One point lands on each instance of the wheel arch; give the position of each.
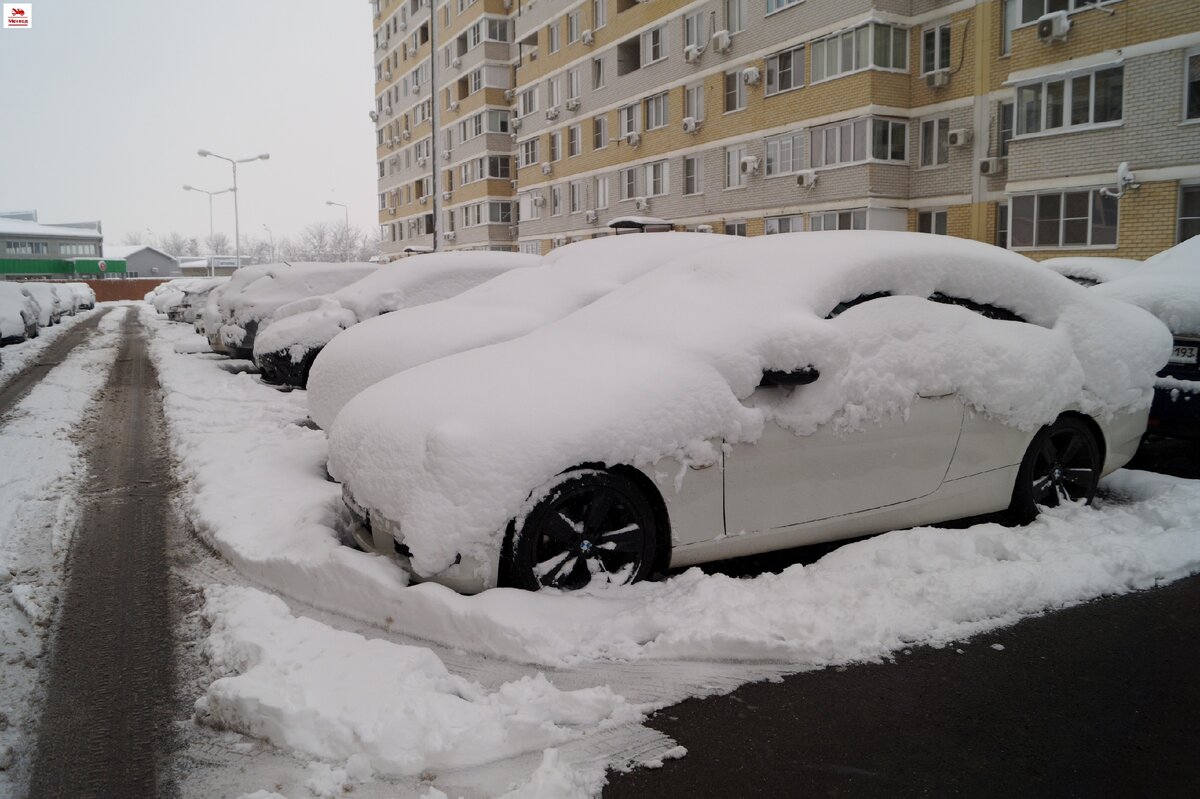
(1093, 426)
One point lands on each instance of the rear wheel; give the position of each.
(1062, 464)
(594, 526)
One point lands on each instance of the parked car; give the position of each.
(208, 320)
(86, 295)
(801, 388)
(504, 308)
(249, 302)
(1092, 270)
(18, 314)
(194, 296)
(1168, 286)
(286, 347)
(50, 306)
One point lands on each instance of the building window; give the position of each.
(694, 33)
(1193, 86)
(599, 133)
(839, 220)
(656, 179)
(26, 247)
(601, 187)
(555, 146)
(1006, 127)
(935, 142)
(599, 14)
(735, 91)
(574, 136)
(573, 84)
(552, 37)
(693, 102)
(630, 123)
(656, 111)
(597, 73)
(527, 103)
(573, 26)
(935, 49)
(693, 177)
(575, 197)
(847, 142)
(553, 93)
(1033, 10)
(1094, 98)
(735, 228)
(1189, 212)
(1008, 21)
(734, 177)
(783, 224)
(653, 46)
(779, 5)
(735, 16)
(629, 183)
(932, 222)
(556, 201)
(1002, 225)
(785, 70)
(1064, 219)
(528, 152)
(872, 45)
(784, 153)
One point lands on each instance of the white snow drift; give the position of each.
(1167, 285)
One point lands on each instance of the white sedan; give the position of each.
(801, 388)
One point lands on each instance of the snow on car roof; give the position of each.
(507, 306)
(1167, 285)
(254, 292)
(1095, 269)
(663, 366)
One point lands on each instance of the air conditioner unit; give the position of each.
(392, 210)
(641, 203)
(959, 137)
(1053, 27)
(387, 74)
(547, 168)
(634, 139)
(588, 37)
(806, 179)
(423, 199)
(454, 105)
(750, 165)
(559, 241)
(508, 94)
(721, 41)
(751, 76)
(552, 113)
(512, 230)
(993, 166)
(374, 116)
(456, 62)
(387, 109)
(573, 104)
(513, 183)
(690, 125)
(448, 235)
(406, 134)
(421, 161)
(446, 154)
(403, 24)
(538, 200)
(937, 80)
(704, 228)
(515, 124)
(590, 217)
(446, 196)
(691, 53)
(416, 88)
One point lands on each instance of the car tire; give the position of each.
(593, 525)
(1063, 462)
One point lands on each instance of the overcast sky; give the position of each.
(105, 103)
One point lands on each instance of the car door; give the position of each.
(784, 479)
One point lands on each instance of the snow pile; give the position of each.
(334, 694)
(311, 322)
(504, 308)
(15, 308)
(555, 779)
(451, 450)
(1092, 269)
(1167, 285)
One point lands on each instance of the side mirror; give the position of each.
(798, 377)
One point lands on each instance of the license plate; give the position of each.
(1183, 354)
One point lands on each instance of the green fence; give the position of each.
(61, 267)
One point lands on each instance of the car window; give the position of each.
(981, 308)
(842, 307)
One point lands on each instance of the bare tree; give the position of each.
(315, 243)
(133, 238)
(193, 247)
(259, 249)
(217, 244)
(175, 244)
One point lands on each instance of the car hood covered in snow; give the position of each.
(503, 308)
(667, 364)
(1167, 285)
(1092, 269)
(311, 322)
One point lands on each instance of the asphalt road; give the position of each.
(1100, 700)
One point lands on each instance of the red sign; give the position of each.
(102, 266)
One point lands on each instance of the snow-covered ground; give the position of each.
(412, 690)
(41, 472)
(15, 357)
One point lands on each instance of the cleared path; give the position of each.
(105, 725)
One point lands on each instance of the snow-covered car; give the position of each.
(168, 295)
(251, 297)
(504, 308)
(49, 305)
(285, 348)
(1091, 270)
(195, 294)
(1168, 286)
(85, 297)
(804, 387)
(18, 314)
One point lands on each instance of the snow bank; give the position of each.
(501, 309)
(451, 449)
(334, 694)
(311, 322)
(1167, 285)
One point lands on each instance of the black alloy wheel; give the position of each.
(593, 526)
(1062, 464)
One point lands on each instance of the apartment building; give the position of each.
(1005, 121)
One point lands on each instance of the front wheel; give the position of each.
(593, 526)
(1062, 464)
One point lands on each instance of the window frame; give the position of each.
(656, 109)
(819, 49)
(653, 40)
(600, 131)
(939, 54)
(1184, 189)
(739, 92)
(1067, 107)
(697, 175)
(779, 5)
(574, 140)
(934, 216)
(694, 98)
(657, 172)
(794, 52)
(1095, 198)
(939, 153)
(796, 140)
(1191, 89)
(734, 154)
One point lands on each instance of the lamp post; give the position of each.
(237, 230)
(346, 229)
(272, 235)
(211, 194)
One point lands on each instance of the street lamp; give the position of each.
(272, 235)
(346, 230)
(237, 230)
(211, 194)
